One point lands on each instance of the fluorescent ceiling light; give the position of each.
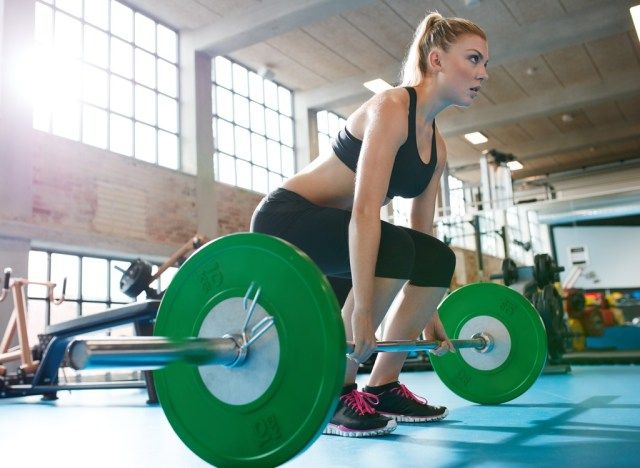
(377, 85)
(476, 138)
(635, 15)
(514, 165)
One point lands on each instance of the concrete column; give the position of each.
(1, 43)
(206, 197)
(306, 133)
(445, 199)
(312, 128)
(197, 136)
(16, 37)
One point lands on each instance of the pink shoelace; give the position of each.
(405, 392)
(360, 401)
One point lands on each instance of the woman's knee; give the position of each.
(435, 263)
(396, 254)
(448, 260)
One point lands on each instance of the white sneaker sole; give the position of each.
(333, 429)
(414, 419)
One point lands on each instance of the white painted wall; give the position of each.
(613, 254)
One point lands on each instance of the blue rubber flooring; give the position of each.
(588, 418)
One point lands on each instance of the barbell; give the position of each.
(250, 349)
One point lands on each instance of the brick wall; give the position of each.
(88, 197)
(83, 189)
(235, 207)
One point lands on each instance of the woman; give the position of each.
(331, 210)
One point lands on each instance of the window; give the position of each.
(400, 209)
(252, 128)
(525, 235)
(107, 75)
(329, 124)
(456, 196)
(539, 234)
(457, 231)
(93, 285)
(491, 223)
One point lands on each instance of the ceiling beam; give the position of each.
(574, 97)
(574, 141)
(616, 160)
(602, 20)
(630, 167)
(273, 18)
(562, 144)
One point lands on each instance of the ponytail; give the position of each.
(433, 31)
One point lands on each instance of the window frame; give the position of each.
(107, 109)
(329, 133)
(273, 177)
(108, 303)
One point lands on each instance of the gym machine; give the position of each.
(38, 370)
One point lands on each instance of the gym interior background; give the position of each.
(129, 127)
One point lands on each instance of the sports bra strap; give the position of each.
(412, 113)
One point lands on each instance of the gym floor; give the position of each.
(577, 419)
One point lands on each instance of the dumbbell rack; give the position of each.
(525, 280)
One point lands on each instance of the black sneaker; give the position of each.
(355, 417)
(401, 404)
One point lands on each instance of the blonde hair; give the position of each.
(433, 31)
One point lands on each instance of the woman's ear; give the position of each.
(435, 60)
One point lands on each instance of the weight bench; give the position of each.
(56, 338)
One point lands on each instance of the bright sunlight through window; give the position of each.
(107, 75)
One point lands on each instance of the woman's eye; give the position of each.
(475, 58)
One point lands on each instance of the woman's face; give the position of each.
(464, 70)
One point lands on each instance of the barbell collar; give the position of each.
(153, 352)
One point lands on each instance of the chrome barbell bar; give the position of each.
(155, 352)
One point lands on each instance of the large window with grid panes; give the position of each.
(108, 76)
(93, 285)
(329, 124)
(252, 127)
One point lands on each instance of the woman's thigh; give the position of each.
(323, 234)
(434, 260)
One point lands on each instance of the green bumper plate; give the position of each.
(295, 408)
(528, 344)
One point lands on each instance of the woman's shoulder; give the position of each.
(391, 99)
(389, 104)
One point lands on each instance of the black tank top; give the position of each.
(410, 176)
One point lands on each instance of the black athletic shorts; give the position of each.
(323, 234)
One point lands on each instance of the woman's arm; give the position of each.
(423, 206)
(385, 130)
(421, 219)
